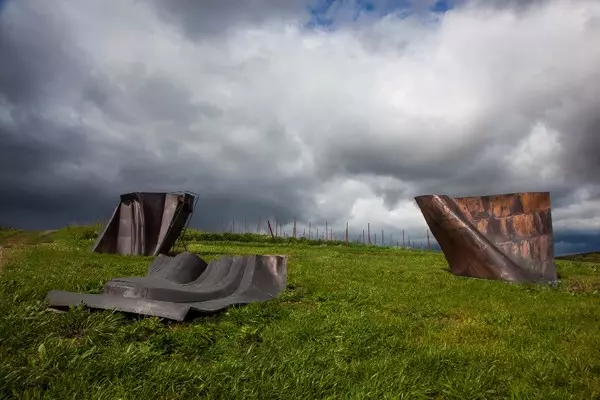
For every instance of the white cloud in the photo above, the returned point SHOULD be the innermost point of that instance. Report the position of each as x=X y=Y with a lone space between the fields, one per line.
x=373 y=109
x=537 y=157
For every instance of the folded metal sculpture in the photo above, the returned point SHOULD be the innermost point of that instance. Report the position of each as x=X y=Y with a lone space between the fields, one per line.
x=145 y=223
x=505 y=237
x=175 y=285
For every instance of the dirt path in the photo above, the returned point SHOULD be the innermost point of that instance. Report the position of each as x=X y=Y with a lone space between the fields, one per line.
x=3 y=257
x=4 y=250
x=14 y=241
x=19 y=239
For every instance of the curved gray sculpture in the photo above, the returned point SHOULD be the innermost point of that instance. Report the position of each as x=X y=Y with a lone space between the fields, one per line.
x=175 y=285
x=146 y=223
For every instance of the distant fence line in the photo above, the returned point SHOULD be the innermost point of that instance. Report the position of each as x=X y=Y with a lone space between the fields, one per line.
x=266 y=226
x=310 y=232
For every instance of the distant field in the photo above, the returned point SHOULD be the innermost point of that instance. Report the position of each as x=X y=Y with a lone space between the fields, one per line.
x=356 y=322
x=583 y=257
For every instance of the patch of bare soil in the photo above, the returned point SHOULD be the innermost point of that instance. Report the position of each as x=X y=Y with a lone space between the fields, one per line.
x=13 y=241
x=2 y=257
x=21 y=239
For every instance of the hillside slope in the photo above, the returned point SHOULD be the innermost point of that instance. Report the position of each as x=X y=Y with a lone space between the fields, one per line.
x=355 y=322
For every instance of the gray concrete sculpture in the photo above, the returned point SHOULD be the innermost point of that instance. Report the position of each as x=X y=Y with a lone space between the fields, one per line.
x=177 y=285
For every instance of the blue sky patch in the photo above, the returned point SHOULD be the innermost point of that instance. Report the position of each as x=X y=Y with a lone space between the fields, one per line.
x=441 y=6
x=323 y=14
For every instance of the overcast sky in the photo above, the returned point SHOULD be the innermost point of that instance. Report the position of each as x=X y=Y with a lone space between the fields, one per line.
x=330 y=111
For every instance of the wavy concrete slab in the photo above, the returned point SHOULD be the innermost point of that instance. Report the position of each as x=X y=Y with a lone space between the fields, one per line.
x=176 y=285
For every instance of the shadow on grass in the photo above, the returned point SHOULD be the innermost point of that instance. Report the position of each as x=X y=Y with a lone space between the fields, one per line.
x=199 y=253
x=448 y=270
x=192 y=316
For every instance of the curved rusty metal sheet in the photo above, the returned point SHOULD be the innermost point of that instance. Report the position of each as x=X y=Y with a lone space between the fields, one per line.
x=145 y=223
x=504 y=237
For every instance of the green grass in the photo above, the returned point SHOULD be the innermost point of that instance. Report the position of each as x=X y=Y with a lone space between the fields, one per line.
x=355 y=322
x=583 y=257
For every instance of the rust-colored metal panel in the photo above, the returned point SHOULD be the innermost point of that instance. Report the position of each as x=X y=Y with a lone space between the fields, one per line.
x=506 y=237
x=146 y=223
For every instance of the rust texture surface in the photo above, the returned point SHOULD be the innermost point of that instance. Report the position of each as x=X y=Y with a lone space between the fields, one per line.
x=505 y=237
x=145 y=223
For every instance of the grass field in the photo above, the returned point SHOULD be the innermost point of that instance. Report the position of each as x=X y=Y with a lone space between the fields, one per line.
x=356 y=322
x=583 y=257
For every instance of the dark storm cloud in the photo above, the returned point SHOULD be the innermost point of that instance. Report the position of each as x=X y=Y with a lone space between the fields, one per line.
x=581 y=123
x=36 y=192
x=34 y=67
x=573 y=242
x=34 y=57
x=218 y=16
x=146 y=97
x=272 y=125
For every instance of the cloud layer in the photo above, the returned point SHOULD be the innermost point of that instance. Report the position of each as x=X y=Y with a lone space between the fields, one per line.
x=264 y=115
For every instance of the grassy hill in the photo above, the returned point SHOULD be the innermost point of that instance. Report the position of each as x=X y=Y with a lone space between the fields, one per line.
x=593 y=257
x=355 y=322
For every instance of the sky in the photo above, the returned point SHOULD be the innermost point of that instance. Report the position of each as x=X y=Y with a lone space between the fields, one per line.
x=330 y=111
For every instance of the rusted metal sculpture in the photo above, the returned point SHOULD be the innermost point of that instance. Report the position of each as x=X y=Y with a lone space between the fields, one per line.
x=504 y=237
x=174 y=286
x=146 y=223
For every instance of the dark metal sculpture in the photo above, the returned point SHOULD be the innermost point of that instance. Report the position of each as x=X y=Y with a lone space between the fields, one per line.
x=175 y=285
x=505 y=237
x=146 y=223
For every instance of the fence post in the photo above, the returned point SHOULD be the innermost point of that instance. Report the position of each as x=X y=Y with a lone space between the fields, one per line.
x=270 y=229
x=346 y=233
